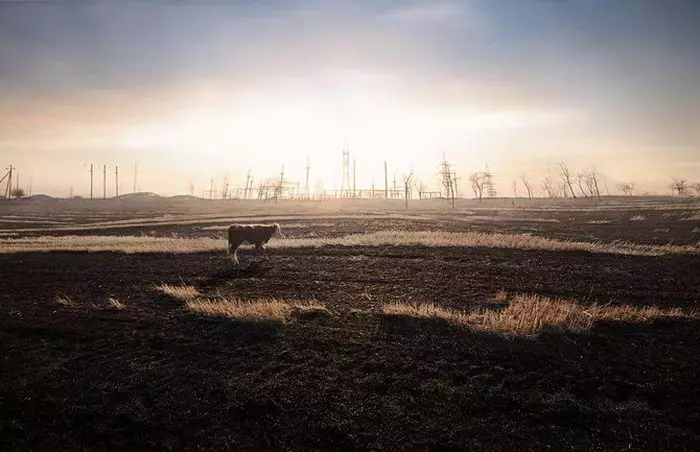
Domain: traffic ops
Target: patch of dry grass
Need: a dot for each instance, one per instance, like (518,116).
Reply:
(184,292)
(273,311)
(133,244)
(598,222)
(426,311)
(257,311)
(478,239)
(65,300)
(529,315)
(262,310)
(113,303)
(123,244)
(638,218)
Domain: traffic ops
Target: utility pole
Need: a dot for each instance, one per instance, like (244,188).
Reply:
(308,167)
(278,191)
(211,186)
(386,181)
(8,195)
(136,169)
(456,187)
(6,176)
(116,181)
(345,181)
(70,193)
(247,185)
(354,173)
(191,187)
(104,181)
(17,186)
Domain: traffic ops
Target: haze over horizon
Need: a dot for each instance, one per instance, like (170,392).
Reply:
(191,89)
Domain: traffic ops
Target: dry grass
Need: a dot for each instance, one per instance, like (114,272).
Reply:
(113,303)
(132,244)
(257,311)
(638,218)
(598,222)
(426,311)
(694,217)
(500,296)
(529,315)
(65,300)
(184,292)
(478,239)
(272,311)
(124,244)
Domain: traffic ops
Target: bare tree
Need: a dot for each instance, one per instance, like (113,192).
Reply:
(488,183)
(591,178)
(407,188)
(580,180)
(565,175)
(447,181)
(420,187)
(477,180)
(514,185)
(627,188)
(696,187)
(549,187)
(679,186)
(17,193)
(527,185)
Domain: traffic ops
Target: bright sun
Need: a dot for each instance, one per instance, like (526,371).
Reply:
(265,129)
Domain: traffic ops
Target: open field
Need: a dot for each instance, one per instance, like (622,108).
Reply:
(503,325)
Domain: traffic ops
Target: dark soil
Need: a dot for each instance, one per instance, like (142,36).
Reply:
(153,376)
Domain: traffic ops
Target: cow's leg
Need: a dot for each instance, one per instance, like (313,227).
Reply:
(260,249)
(233,252)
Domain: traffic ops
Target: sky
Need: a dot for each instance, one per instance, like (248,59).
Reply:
(189,90)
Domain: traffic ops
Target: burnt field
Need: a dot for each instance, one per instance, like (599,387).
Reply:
(520,327)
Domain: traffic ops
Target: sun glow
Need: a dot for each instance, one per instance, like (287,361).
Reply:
(265,129)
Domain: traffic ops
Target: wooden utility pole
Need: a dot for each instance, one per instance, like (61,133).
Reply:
(247,185)
(91,180)
(136,169)
(116,181)
(308,167)
(211,186)
(386,181)
(354,174)
(406,185)
(104,181)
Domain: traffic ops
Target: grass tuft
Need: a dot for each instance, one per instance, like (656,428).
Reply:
(183,293)
(529,315)
(113,303)
(65,300)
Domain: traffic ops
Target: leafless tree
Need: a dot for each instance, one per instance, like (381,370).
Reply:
(477,180)
(420,187)
(627,188)
(696,187)
(591,178)
(407,188)
(447,179)
(565,175)
(679,186)
(527,185)
(17,193)
(514,184)
(580,181)
(549,187)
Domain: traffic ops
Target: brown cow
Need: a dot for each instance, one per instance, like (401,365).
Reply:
(255,234)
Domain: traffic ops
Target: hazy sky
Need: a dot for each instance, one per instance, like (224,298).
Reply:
(191,88)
